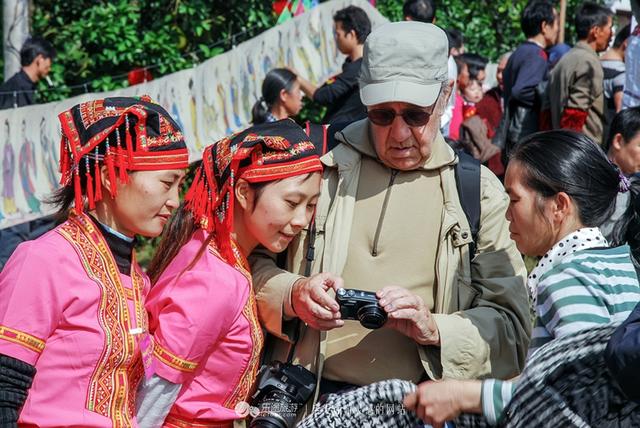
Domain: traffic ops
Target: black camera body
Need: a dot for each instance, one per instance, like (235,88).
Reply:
(362,306)
(283,388)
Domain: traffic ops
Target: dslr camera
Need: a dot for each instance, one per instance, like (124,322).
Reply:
(362,306)
(283,388)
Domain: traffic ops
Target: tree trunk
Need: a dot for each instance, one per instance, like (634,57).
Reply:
(563,19)
(15,14)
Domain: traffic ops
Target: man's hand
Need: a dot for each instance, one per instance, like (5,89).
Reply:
(408,314)
(306,86)
(438,402)
(313,304)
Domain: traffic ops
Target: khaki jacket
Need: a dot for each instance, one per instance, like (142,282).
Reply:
(481,308)
(577,82)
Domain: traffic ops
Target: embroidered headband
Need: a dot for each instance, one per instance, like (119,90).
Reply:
(131,134)
(265,152)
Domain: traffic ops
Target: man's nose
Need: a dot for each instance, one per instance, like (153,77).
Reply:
(400,131)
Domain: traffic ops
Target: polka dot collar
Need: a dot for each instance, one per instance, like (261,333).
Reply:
(581,239)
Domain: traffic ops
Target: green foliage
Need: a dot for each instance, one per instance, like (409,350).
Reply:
(490,27)
(100,42)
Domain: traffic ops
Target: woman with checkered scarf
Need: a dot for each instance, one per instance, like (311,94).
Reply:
(561,187)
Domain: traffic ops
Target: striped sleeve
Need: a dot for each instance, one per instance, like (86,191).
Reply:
(539,336)
(586,290)
(496,395)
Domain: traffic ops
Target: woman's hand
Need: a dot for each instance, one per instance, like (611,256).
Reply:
(441,401)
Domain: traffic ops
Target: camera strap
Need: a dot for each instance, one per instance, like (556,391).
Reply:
(309,258)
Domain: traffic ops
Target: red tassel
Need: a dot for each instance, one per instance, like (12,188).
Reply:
(64,159)
(189,197)
(77,192)
(124,178)
(111,170)
(98,181)
(129,141)
(92,204)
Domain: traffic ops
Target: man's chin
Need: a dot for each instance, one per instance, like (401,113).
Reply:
(404,164)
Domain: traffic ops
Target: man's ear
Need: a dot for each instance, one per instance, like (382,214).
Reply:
(443,99)
(593,33)
(244,194)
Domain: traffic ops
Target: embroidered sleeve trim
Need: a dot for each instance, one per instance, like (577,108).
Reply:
(173,360)
(21,338)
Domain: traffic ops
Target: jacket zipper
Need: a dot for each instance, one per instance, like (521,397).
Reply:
(374,250)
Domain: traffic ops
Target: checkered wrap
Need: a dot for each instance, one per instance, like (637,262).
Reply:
(566,384)
(375,405)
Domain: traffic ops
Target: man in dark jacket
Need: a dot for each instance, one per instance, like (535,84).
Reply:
(623,355)
(36,56)
(526,68)
(340,93)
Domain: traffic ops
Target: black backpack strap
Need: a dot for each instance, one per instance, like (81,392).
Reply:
(467,173)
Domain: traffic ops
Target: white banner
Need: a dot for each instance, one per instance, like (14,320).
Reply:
(210,101)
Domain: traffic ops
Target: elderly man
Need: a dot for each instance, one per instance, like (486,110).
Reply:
(389,221)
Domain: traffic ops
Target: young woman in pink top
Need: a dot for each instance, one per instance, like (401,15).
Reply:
(258,187)
(72,318)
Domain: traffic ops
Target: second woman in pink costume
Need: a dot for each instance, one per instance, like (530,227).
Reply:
(258,187)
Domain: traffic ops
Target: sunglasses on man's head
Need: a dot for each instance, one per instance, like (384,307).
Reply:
(411,116)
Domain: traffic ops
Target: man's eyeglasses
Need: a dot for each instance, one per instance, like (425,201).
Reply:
(412,116)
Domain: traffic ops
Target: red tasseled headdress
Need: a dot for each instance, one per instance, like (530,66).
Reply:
(264,152)
(120,132)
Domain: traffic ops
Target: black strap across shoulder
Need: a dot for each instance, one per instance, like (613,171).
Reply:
(467,172)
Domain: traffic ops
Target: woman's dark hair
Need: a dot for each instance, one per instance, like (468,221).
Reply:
(590,15)
(275,81)
(455,38)
(534,14)
(622,35)
(627,229)
(475,63)
(627,123)
(566,161)
(356,19)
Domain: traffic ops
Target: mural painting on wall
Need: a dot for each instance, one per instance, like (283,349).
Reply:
(209,101)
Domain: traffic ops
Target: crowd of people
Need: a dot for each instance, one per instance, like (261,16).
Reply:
(313,273)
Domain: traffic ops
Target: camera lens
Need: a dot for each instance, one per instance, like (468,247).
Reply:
(372,316)
(277,410)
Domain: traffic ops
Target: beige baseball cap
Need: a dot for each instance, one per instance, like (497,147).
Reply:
(404,62)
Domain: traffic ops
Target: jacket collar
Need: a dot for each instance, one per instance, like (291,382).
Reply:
(585,46)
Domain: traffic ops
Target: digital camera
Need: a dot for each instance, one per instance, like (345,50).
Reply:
(283,389)
(362,306)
